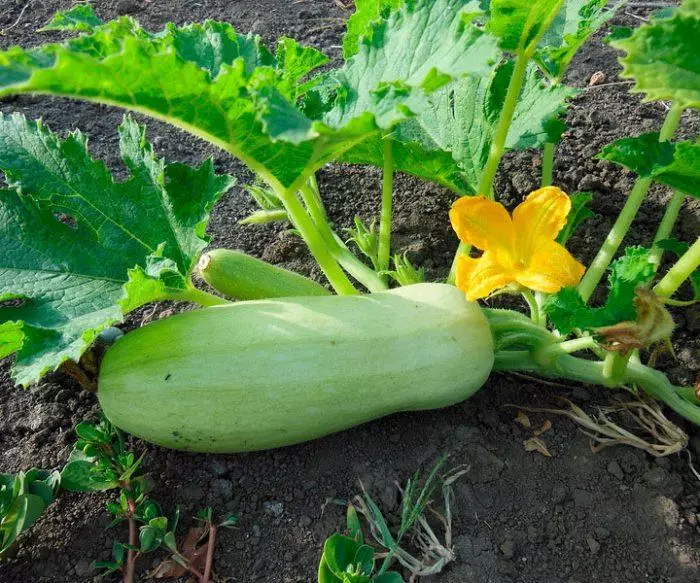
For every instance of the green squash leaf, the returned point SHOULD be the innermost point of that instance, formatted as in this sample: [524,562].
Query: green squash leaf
[204,78]
[69,234]
[568,311]
[404,57]
[674,164]
[358,25]
[399,65]
[463,119]
[520,24]
[230,90]
[662,57]
[413,154]
[81,18]
[573,26]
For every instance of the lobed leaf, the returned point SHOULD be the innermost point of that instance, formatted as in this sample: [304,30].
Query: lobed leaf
[520,24]
[81,18]
[229,89]
[568,311]
[413,51]
[403,58]
[661,57]
[204,78]
[359,24]
[464,116]
[674,164]
[69,234]
[414,153]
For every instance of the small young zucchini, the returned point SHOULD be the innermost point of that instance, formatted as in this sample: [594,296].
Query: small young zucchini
[263,374]
[243,277]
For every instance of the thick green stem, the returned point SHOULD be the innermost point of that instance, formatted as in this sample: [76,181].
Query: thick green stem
[569,367]
[614,368]
[534,306]
[316,243]
[384,252]
[682,270]
[629,211]
[312,199]
[498,144]
[546,354]
[501,134]
[361,272]
[614,239]
[666,226]
[548,164]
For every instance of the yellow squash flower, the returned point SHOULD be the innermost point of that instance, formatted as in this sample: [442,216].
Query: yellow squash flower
[519,250]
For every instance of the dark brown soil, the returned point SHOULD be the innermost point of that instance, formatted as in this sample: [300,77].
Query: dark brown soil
[616,516]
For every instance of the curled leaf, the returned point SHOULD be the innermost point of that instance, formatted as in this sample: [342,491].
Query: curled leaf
[523,419]
[536,444]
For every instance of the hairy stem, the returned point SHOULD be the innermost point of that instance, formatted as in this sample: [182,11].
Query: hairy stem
[548,164]
[361,272]
[614,368]
[681,271]
[629,211]
[501,134]
[569,367]
[534,306]
[384,252]
[666,226]
[546,354]
[316,243]
[498,144]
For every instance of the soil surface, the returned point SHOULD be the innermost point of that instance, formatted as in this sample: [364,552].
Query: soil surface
[614,516]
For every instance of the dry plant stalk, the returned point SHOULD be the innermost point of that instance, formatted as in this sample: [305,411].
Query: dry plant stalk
[664,436]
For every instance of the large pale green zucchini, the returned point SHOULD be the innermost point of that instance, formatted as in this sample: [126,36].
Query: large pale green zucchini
[263,374]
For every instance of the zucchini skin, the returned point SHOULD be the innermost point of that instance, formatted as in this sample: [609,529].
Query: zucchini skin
[265,374]
[242,277]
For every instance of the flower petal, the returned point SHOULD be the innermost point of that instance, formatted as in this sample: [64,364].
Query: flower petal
[540,216]
[485,224]
[550,268]
[479,278]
